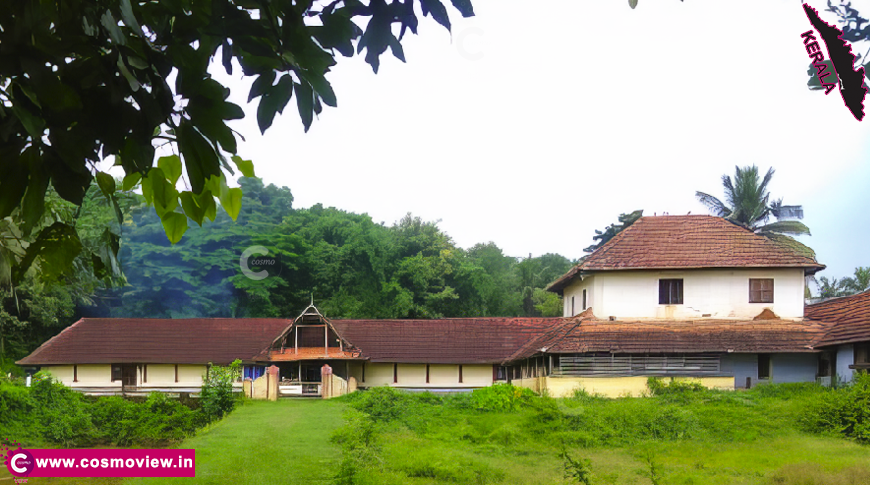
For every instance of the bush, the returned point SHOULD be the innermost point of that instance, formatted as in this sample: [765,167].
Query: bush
[676,390]
[844,411]
[217,391]
[62,412]
[17,410]
[502,397]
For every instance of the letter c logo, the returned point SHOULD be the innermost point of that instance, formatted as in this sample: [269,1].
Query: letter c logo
[243,262]
[13,463]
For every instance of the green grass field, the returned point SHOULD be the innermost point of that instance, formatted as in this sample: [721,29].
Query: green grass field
[265,442]
[385,437]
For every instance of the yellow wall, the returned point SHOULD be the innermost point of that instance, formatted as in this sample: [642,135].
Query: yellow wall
[613,386]
[160,375]
[414,375]
[100,375]
[89,375]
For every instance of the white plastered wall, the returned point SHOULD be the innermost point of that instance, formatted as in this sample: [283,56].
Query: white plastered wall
[414,375]
[719,293]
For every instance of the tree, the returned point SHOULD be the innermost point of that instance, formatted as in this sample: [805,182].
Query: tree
[607,234]
[84,80]
[850,285]
[749,205]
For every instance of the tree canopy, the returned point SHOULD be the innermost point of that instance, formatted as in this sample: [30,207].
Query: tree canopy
[747,203]
[81,81]
[607,234]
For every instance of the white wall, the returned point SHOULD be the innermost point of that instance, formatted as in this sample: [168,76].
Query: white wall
[721,293]
[845,358]
[100,375]
[414,375]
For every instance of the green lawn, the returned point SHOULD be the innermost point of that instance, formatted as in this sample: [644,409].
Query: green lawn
[266,442]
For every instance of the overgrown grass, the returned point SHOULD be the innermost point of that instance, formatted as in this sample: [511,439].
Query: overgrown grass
[683,434]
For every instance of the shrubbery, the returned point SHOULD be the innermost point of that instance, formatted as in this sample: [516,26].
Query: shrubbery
[49,412]
[844,411]
[217,391]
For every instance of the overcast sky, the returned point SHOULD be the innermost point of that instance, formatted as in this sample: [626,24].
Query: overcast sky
[538,122]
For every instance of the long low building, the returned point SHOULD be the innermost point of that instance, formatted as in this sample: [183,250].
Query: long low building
[682,297]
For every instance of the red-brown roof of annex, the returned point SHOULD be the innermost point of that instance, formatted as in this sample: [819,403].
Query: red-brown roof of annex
[157,341]
[849,319]
[689,242]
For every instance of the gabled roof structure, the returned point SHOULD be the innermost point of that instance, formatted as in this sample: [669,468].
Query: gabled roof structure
[691,242]
[849,319]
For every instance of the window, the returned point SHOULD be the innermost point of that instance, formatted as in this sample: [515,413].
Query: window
[572,306]
[460,373]
[584,298]
[116,372]
[427,373]
[764,366]
[862,353]
[75,373]
[395,373]
[671,292]
[761,290]
[176,372]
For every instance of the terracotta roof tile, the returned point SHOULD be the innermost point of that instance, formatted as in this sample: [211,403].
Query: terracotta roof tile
[151,341]
[694,241]
[443,341]
[689,336]
[849,319]
[308,353]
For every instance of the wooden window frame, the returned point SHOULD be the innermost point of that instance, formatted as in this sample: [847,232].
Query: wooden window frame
[120,372]
[671,291]
[395,373]
[427,373]
[364,372]
[572,307]
[584,300]
[760,294]
[75,373]
[176,372]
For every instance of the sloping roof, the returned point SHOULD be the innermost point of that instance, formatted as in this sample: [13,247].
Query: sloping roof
[690,242]
[443,341]
[147,341]
[849,318]
[688,336]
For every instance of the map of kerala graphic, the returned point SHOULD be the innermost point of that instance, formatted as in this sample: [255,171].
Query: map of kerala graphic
[851,80]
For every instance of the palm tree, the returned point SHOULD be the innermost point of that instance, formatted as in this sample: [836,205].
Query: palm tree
[749,205]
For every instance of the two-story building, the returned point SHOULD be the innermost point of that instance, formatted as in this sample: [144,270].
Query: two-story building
[683,297]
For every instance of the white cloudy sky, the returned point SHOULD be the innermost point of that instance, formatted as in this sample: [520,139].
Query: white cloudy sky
[538,122]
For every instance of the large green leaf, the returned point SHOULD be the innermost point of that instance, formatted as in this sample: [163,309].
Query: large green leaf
[245,166]
[171,166]
[55,249]
[175,225]
[231,201]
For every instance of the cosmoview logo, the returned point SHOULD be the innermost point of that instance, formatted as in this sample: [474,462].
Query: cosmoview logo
[19,462]
[256,264]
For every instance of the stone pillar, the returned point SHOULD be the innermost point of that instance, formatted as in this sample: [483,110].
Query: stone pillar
[326,381]
[248,387]
[272,391]
[351,384]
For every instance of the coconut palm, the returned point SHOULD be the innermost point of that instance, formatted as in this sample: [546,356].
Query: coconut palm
[747,203]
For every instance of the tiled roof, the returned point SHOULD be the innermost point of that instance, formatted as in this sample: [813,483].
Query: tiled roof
[849,319]
[443,341]
[152,341]
[684,336]
[688,242]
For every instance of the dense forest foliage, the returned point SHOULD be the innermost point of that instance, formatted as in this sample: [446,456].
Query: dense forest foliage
[352,266]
